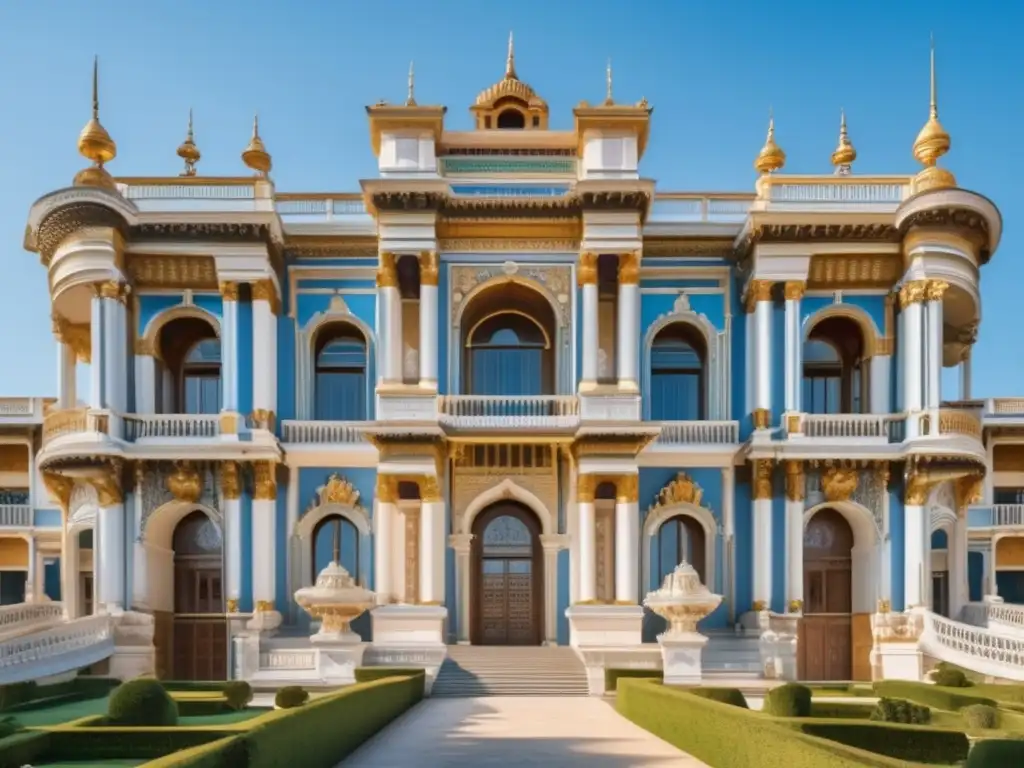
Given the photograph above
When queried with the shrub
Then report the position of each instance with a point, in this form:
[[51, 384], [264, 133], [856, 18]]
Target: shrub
[[840, 710], [238, 694], [16, 693], [732, 696], [949, 699], [901, 711], [612, 676], [291, 696], [369, 674], [996, 753], [911, 743], [142, 702], [24, 748], [789, 700], [950, 677], [8, 725], [981, 716]]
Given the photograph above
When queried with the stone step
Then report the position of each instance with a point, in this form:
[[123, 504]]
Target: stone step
[[510, 671]]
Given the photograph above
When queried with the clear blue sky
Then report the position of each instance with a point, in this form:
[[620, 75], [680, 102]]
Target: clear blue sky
[[710, 69]]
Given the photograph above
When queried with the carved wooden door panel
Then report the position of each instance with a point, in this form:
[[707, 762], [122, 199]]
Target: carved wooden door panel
[[200, 629], [507, 602]]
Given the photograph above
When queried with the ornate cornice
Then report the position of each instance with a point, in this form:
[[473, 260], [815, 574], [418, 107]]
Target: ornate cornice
[[606, 200], [519, 207], [951, 217], [196, 272], [215, 231], [801, 233], [408, 201], [65, 221]]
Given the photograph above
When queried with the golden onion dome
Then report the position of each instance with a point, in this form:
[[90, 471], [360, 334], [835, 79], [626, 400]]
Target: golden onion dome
[[94, 143], [188, 151], [845, 154], [255, 155], [510, 85], [932, 142], [771, 157], [95, 176]]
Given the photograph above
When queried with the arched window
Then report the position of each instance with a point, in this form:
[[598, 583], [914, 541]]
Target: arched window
[[679, 538], [678, 374], [200, 377], [511, 119], [507, 356], [340, 385], [335, 538], [834, 368]]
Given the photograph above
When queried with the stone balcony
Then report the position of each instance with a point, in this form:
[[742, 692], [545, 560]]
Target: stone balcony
[[855, 428], [480, 413], [995, 516]]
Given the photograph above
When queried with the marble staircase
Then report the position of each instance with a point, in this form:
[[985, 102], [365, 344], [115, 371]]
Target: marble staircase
[[510, 671]]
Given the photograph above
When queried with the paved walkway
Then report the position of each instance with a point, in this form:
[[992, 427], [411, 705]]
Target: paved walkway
[[515, 731]]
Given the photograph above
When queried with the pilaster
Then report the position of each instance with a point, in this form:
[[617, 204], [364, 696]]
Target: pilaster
[[759, 302], [587, 530], [231, 499], [627, 354], [793, 293], [429, 269], [264, 546], [229, 347], [795, 490], [586, 276], [265, 307], [762, 559]]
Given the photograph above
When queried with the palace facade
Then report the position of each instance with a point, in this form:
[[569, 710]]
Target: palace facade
[[510, 384]]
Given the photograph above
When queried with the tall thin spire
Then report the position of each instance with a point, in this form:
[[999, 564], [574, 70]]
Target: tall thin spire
[[933, 141], [510, 61], [410, 99], [188, 151], [95, 87], [933, 104], [845, 154], [608, 100], [94, 143]]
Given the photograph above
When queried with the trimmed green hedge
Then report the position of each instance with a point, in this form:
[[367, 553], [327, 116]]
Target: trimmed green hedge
[[230, 752], [845, 710], [732, 696], [369, 674], [731, 737], [950, 699], [915, 743], [23, 748], [612, 676], [19, 695], [788, 700], [112, 743], [996, 753]]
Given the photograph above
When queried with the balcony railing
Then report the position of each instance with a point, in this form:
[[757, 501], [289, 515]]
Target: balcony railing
[[498, 412], [853, 426], [953, 421], [67, 421], [995, 515], [699, 433], [334, 432], [15, 515], [20, 616], [141, 427], [687, 208]]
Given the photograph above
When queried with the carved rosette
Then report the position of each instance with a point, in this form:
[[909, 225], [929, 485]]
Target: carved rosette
[[185, 483]]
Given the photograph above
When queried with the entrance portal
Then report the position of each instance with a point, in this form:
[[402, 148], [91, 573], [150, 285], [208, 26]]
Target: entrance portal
[[506, 589], [200, 629], [826, 642]]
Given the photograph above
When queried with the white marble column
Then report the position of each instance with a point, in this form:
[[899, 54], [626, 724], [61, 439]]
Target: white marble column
[[461, 543], [965, 375], [586, 275], [795, 489], [109, 551], [67, 362], [390, 314], [627, 351], [264, 540], [588, 538], [793, 293], [384, 522], [627, 540], [432, 549], [759, 300], [911, 298], [934, 291], [229, 347], [880, 373], [296, 578], [429, 320], [140, 561], [145, 381], [552, 545], [98, 322], [32, 590], [762, 559], [265, 307], [916, 539], [231, 499], [957, 551], [728, 539]]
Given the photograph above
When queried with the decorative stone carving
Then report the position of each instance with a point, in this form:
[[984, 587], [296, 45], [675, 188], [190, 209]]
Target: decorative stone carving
[[682, 490], [552, 281], [795, 483], [762, 479], [337, 491], [185, 483], [264, 480], [839, 484]]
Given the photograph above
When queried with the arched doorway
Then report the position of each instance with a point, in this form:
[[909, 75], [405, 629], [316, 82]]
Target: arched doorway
[[200, 629], [826, 642], [507, 584]]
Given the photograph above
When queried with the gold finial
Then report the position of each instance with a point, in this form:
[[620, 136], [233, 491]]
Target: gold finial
[[608, 100], [410, 99], [94, 143], [188, 151], [845, 154], [771, 158], [510, 61], [932, 142], [255, 155]]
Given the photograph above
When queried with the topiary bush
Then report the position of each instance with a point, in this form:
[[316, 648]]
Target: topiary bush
[[142, 702], [981, 716], [291, 696], [789, 700], [901, 711], [950, 677], [996, 753], [238, 694]]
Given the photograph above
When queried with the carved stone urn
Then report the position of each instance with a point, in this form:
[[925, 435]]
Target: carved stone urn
[[682, 601], [335, 600]]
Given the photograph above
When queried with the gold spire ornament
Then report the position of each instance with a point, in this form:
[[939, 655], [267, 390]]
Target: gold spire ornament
[[410, 99], [845, 154], [188, 151], [510, 61], [932, 143], [771, 158], [255, 155], [95, 144], [608, 100]]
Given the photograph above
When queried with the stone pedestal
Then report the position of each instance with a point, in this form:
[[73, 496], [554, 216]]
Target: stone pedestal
[[409, 636], [134, 653], [605, 625], [896, 652], [899, 661], [264, 622], [778, 644], [681, 657], [338, 655]]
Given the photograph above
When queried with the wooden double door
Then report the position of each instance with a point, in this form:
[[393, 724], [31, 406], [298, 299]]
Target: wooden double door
[[200, 633], [507, 579], [826, 632]]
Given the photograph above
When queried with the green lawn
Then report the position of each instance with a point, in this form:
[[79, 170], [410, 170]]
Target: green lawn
[[62, 713], [222, 718]]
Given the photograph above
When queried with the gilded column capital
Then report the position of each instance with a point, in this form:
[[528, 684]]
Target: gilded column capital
[[761, 418], [935, 289], [146, 347], [794, 290], [762, 479], [229, 290], [627, 489], [912, 293], [387, 270], [586, 487], [112, 289], [387, 489], [586, 269], [264, 480], [795, 482], [78, 337], [263, 418], [230, 480], [430, 489], [629, 268], [758, 291], [967, 491], [60, 488], [185, 483], [108, 486], [915, 493], [265, 290], [430, 267]]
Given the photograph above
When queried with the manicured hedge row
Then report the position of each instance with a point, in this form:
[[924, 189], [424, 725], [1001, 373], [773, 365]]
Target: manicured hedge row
[[23, 748], [612, 676], [914, 743], [110, 743], [950, 699], [21, 694], [369, 674], [996, 753], [230, 752], [732, 737], [846, 710]]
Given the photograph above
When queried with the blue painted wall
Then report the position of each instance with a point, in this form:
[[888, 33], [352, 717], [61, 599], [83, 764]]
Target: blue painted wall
[[778, 548], [245, 345], [286, 377], [778, 363], [940, 540], [744, 548], [47, 518]]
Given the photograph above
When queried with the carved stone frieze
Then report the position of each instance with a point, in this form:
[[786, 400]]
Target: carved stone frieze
[[148, 271], [554, 281], [950, 218], [479, 245], [687, 247], [408, 201], [152, 481], [217, 231], [609, 200], [798, 233], [68, 219], [468, 486], [566, 207]]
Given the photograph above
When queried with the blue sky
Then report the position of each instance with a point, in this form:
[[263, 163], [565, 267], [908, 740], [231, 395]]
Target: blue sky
[[710, 69]]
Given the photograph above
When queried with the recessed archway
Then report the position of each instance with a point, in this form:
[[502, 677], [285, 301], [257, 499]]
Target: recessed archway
[[826, 640]]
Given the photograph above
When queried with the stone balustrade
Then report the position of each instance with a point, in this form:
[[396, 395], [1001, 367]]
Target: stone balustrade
[[321, 432], [69, 645], [975, 648], [184, 425], [15, 515], [674, 433], [853, 426], [26, 615], [505, 412]]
